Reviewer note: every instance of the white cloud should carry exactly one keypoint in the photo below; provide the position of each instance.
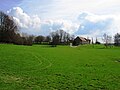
(69, 8)
(34, 25)
(24, 21)
(88, 24)
(62, 14)
(96, 25)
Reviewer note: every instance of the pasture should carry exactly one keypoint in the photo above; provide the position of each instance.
(41, 67)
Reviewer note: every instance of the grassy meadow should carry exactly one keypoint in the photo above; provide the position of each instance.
(40, 67)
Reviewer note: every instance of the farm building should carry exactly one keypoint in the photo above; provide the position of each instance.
(80, 41)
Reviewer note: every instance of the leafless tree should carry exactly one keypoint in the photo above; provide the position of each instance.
(61, 37)
(107, 40)
(47, 39)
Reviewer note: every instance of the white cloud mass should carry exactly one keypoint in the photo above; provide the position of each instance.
(34, 25)
(87, 24)
(97, 25)
(25, 22)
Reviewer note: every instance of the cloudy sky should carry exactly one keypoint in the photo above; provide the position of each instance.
(90, 18)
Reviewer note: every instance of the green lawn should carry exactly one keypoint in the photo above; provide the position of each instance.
(60, 68)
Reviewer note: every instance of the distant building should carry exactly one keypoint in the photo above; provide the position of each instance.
(81, 41)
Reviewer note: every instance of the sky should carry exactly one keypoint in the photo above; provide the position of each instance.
(89, 18)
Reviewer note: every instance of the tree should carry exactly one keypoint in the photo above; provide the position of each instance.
(117, 39)
(55, 39)
(19, 40)
(97, 42)
(107, 40)
(24, 39)
(92, 41)
(9, 32)
(29, 40)
(72, 37)
(61, 37)
(68, 38)
(47, 39)
(39, 39)
(8, 29)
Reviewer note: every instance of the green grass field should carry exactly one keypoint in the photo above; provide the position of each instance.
(60, 68)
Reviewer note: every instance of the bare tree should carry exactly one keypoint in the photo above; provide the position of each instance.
(61, 37)
(47, 39)
(55, 39)
(107, 40)
(67, 38)
(72, 37)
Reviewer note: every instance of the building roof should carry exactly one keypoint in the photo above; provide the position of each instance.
(87, 39)
(82, 39)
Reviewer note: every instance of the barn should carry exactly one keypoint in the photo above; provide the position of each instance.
(81, 41)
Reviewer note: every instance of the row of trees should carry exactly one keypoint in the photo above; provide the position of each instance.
(108, 41)
(117, 39)
(8, 29)
(9, 33)
(61, 37)
(55, 38)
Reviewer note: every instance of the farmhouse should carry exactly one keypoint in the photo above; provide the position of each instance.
(80, 41)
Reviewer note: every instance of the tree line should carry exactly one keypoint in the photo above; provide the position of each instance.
(9, 33)
(109, 42)
(59, 37)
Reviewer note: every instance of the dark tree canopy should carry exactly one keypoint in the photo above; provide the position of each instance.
(55, 39)
(47, 39)
(117, 39)
(97, 42)
(8, 28)
(9, 32)
(39, 39)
